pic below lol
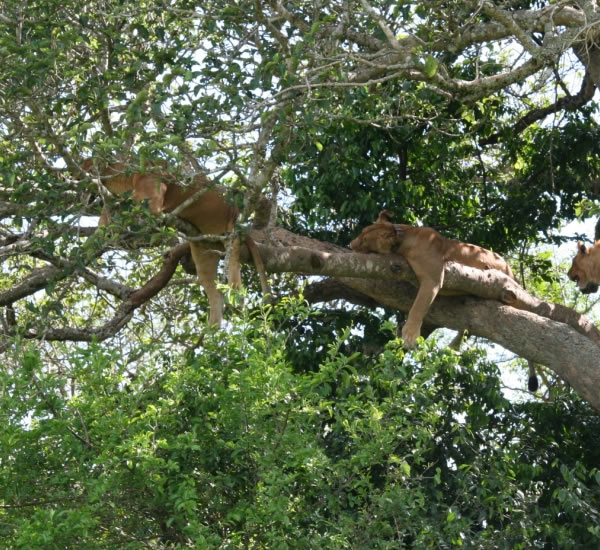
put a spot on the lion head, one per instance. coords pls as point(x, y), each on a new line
point(585, 270)
point(381, 237)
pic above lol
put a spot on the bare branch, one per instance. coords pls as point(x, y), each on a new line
point(29, 285)
point(393, 41)
point(567, 103)
point(512, 27)
point(125, 310)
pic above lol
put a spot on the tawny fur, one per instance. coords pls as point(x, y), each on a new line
point(585, 268)
point(210, 214)
point(426, 251)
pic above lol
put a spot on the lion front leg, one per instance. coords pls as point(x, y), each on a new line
point(428, 290)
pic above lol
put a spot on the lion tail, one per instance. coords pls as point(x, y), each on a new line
point(532, 383)
point(260, 267)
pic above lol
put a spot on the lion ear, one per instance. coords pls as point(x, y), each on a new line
point(385, 216)
point(581, 247)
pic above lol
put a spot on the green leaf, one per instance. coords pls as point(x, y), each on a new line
point(431, 66)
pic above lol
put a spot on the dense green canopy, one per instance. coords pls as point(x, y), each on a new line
point(133, 426)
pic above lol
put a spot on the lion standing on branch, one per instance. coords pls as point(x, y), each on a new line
point(201, 204)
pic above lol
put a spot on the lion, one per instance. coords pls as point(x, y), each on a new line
point(427, 251)
point(209, 213)
point(585, 269)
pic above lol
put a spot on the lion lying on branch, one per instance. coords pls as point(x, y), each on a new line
point(427, 251)
point(202, 205)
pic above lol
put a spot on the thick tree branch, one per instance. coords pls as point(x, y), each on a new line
point(332, 289)
point(562, 26)
point(519, 331)
point(160, 280)
point(571, 355)
point(549, 334)
point(457, 279)
point(29, 285)
point(303, 255)
point(125, 310)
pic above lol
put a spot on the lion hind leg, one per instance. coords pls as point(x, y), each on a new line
point(234, 275)
point(206, 262)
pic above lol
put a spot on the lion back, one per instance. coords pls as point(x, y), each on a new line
point(476, 256)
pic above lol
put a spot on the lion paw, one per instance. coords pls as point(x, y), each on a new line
point(410, 335)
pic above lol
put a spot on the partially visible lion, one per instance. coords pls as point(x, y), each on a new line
point(585, 269)
point(427, 251)
point(207, 211)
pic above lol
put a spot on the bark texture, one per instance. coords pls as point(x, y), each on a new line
point(489, 304)
point(486, 303)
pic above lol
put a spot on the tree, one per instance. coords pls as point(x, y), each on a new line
point(473, 117)
point(246, 92)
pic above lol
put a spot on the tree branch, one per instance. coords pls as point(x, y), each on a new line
point(567, 103)
point(397, 57)
point(571, 355)
point(332, 289)
point(549, 334)
point(125, 310)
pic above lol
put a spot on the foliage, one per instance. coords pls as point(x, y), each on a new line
point(291, 429)
point(234, 446)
